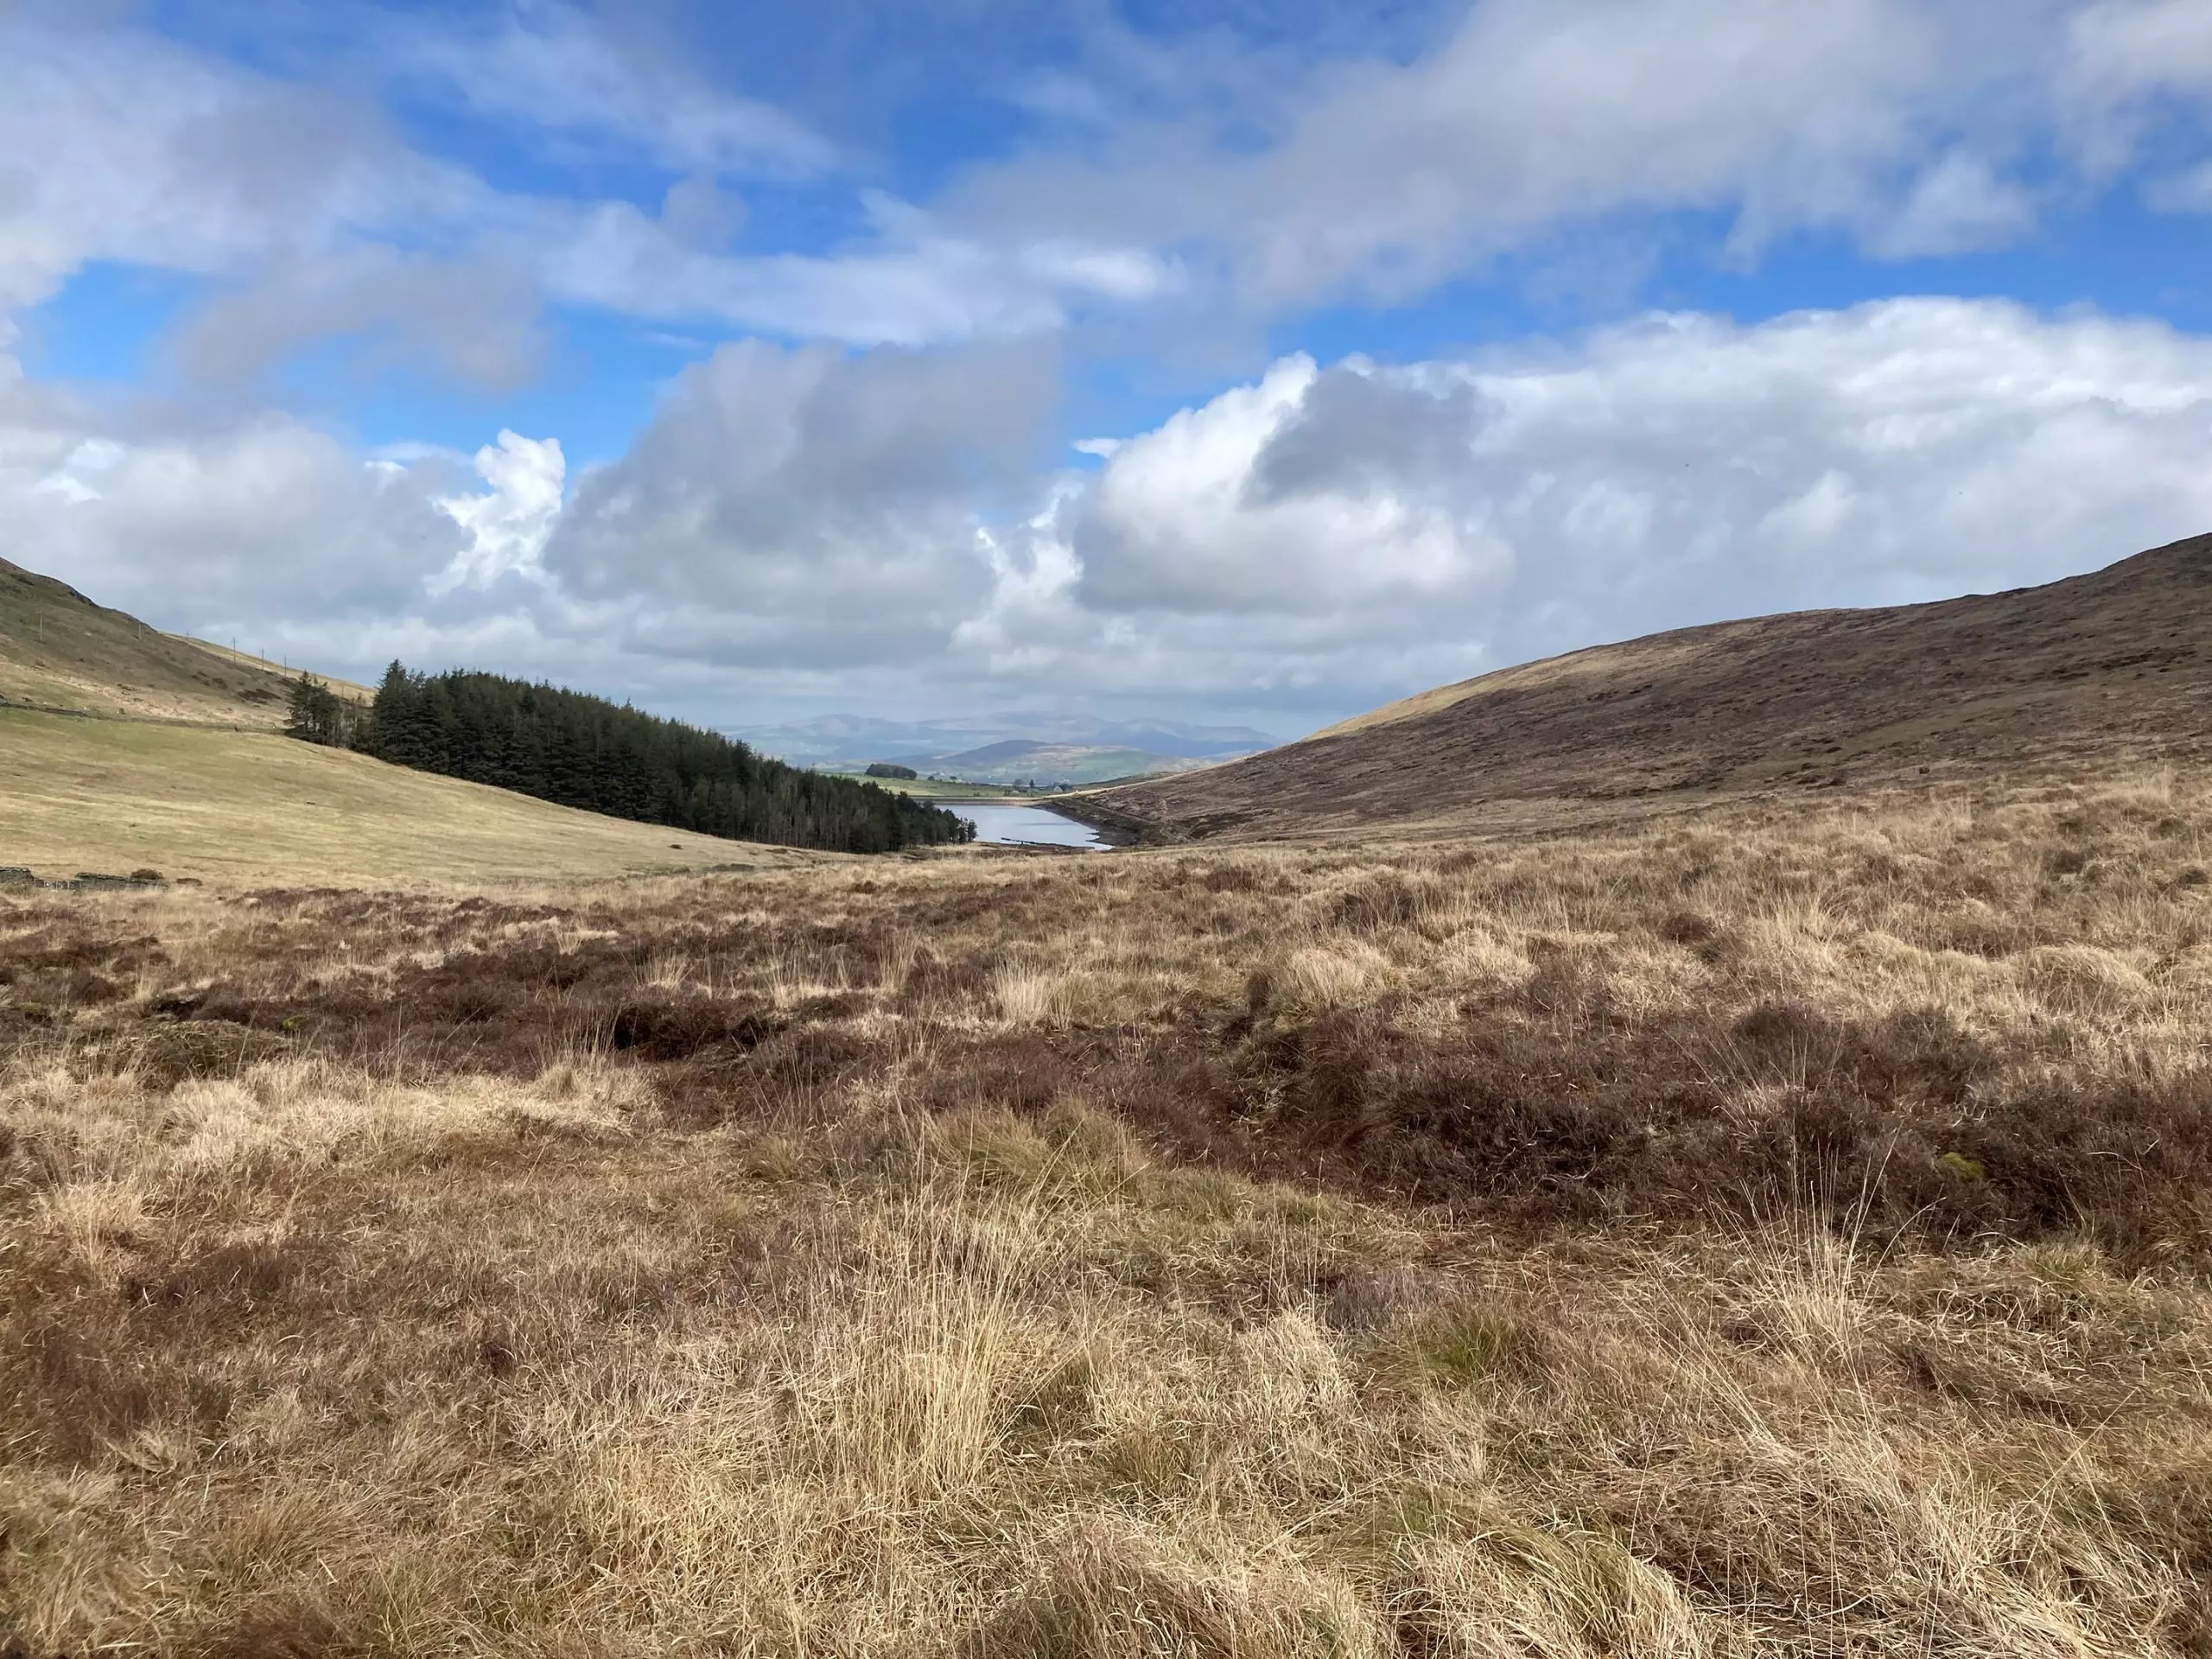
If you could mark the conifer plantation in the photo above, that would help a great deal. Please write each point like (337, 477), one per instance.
(581, 751)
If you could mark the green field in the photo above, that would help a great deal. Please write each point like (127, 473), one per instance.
(115, 795)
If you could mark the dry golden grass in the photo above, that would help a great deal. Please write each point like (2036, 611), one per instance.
(233, 806)
(1768, 1233)
(58, 650)
(351, 691)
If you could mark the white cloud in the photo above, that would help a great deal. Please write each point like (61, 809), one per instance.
(2186, 192)
(809, 506)
(267, 521)
(1902, 124)
(2129, 68)
(1893, 122)
(2120, 47)
(1028, 623)
(1189, 518)
(319, 221)
(911, 281)
(507, 525)
(593, 90)
(474, 318)
(1372, 527)
(1957, 204)
(166, 157)
(869, 523)
(1356, 529)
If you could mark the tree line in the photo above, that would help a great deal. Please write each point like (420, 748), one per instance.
(578, 750)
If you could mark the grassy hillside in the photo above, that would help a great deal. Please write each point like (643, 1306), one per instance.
(59, 649)
(353, 690)
(1781, 1230)
(173, 762)
(2119, 661)
(114, 795)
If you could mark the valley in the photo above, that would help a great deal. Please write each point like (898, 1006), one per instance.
(1016, 748)
(1481, 1216)
(1141, 830)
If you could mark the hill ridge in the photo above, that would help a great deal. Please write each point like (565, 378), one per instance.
(62, 651)
(2117, 657)
(122, 747)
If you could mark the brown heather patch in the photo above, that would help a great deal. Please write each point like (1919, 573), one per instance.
(1767, 1232)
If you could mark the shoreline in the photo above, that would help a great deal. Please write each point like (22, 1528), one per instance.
(1111, 840)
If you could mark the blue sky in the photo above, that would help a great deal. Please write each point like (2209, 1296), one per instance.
(1258, 362)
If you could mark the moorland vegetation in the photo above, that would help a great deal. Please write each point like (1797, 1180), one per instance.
(1778, 1228)
(2073, 672)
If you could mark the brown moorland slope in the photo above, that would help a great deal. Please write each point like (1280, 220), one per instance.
(2115, 663)
(61, 651)
(1777, 1230)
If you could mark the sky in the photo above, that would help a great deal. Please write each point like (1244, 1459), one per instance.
(1236, 361)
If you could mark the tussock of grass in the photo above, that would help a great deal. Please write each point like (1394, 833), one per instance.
(1732, 1237)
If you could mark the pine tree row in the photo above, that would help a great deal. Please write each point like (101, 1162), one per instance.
(582, 751)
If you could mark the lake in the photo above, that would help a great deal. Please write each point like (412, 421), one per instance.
(1025, 826)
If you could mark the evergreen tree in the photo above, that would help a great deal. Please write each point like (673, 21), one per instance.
(585, 752)
(316, 713)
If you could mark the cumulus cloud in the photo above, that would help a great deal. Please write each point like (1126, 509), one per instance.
(1331, 536)
(1274, 498)
(294, 542)
(1356, 529)
(810, 505)
(508, 524)
(253, 523)
(1650, 475)
(263, 527)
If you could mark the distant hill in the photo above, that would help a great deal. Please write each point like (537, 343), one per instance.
(1083, 748)
(2117, 662)
(60, 650)
(1016, 761)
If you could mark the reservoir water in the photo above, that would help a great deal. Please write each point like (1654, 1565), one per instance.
(1021, 825)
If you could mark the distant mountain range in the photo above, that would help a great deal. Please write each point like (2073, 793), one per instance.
(1007, 747)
